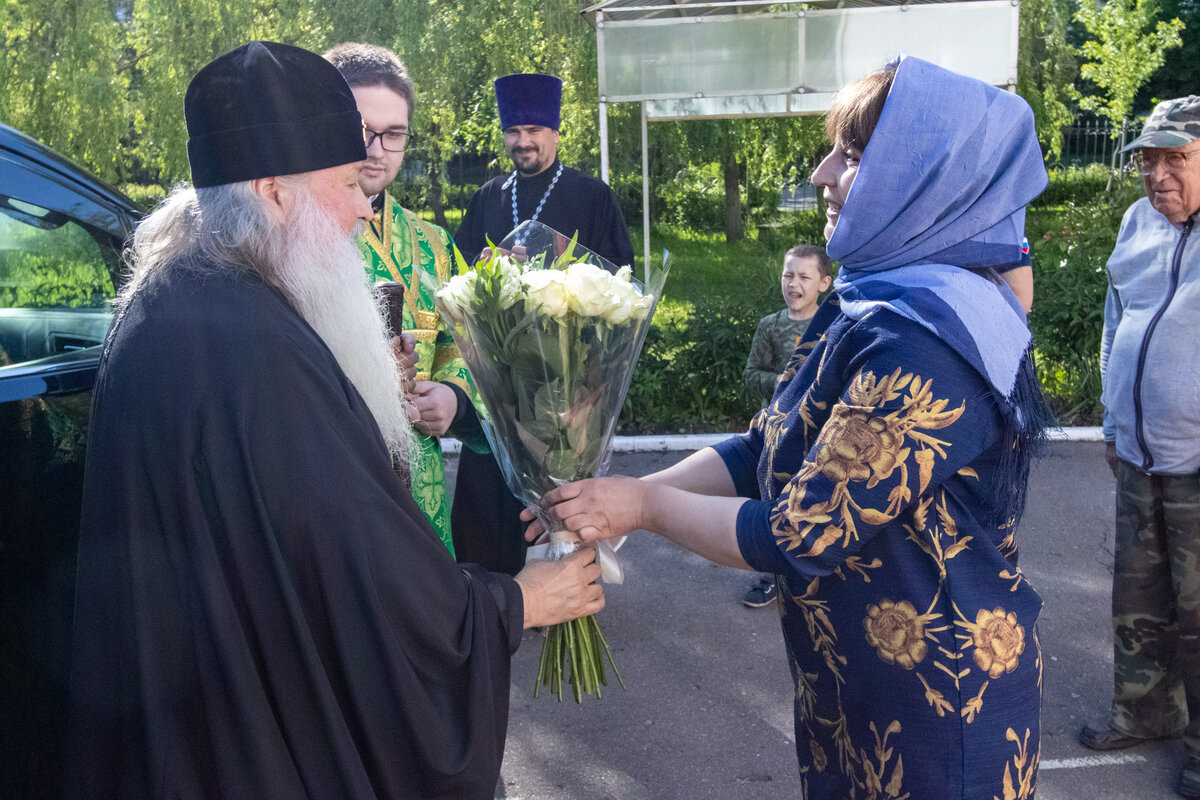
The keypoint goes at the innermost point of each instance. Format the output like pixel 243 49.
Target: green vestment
pixel 395 242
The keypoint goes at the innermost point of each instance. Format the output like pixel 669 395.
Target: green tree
pixel 762 151
pixel 454 50
pixel 1180 72
pixel 64 79
pixel 173 39
pixel 1047 69
pixel 1126 48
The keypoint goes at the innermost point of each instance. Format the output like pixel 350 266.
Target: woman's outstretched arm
pixel 605 508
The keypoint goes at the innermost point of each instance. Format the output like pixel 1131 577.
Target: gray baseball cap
pixel 1174 123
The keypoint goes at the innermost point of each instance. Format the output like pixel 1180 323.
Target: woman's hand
pixel 596 508
pixel 558 591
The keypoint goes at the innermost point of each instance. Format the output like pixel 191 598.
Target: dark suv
pixel 61 236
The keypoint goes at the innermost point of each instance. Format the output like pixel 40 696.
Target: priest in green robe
pixel 401 247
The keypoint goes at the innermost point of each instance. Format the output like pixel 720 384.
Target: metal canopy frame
pixel 723 59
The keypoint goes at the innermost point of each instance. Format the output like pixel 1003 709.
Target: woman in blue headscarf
pixel 887 475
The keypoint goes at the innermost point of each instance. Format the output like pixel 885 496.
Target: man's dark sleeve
pixel 470 237
pixel 466 426
pixel 612 231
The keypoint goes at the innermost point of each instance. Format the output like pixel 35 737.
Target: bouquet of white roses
pixel 551 343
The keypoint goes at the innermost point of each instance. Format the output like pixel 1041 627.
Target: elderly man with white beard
pixel 262 609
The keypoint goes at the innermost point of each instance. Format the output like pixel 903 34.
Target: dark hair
pixel 824 264
pixel 372 65
pixel 856 109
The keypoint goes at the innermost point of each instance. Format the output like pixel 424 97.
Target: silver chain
pixel 512 181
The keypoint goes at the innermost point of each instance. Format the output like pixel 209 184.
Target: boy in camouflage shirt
pixel 807 273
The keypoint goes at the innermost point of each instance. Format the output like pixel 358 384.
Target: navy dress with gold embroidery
pixel 909 628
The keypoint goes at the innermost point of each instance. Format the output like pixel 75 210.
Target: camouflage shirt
pixel 774 340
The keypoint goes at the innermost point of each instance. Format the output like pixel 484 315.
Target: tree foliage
pixel 172 39
pixel 1047 69
pixel 1127 47
pixel 64 78
pixel 1180 72
pixel 103 80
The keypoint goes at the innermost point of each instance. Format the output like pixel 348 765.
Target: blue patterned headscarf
pixel 942 185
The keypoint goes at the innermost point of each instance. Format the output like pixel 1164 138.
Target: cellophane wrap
pixel 551 340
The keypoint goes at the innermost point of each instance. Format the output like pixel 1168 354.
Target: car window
pixel 55 287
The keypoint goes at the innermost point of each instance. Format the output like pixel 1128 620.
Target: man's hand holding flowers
pixel 552 591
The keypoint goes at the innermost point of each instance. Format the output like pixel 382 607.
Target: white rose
pixel 546 290
pixel 625 274
pixel 643 305
pixel 458 293
pixel 621 308
pixel 590 289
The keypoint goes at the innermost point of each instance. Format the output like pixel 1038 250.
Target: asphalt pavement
pixel 707 708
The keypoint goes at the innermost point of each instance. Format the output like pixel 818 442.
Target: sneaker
pixel 761 594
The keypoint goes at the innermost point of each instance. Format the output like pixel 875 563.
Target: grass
pixel 705 266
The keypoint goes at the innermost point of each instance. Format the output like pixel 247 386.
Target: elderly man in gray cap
pixel 1151 367
pixel 263 610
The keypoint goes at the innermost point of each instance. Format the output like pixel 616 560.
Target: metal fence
pixel 1097 141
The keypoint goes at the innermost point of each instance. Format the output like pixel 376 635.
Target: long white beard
pixel 323 270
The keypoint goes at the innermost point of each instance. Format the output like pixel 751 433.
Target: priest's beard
pixel 323 272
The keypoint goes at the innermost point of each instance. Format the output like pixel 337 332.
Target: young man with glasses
pixel 1151 369
pixel 399 246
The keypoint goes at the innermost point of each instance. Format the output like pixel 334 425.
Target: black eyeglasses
pixel 1174 160
pixel 392 141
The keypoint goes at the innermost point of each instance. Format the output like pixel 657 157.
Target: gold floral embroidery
pixel 939 540
pixel 805 695
pixel 1037 662
pixel 1025 765
pixel 974 705
pixel 999 641
pixel 858 444
pixel 860 447
pixel 856 564
pixel 896 632
pixel 820 760
pixel 882 433
pixel 805 411
pixel 873 771
pixel 936 699
pixel 820 627
pixel 797 359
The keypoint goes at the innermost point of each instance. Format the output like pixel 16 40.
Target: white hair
pixel 315 264
pixel 224 226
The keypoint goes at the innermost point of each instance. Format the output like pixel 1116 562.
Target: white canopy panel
pixel 791 62
pixel 756 105
pixel 695 59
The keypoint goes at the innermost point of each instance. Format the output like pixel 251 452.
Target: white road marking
pixel 1091 761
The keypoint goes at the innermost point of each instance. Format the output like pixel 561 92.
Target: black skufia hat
pixel 269 109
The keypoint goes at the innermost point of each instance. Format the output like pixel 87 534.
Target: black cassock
pixel 485 517
pixel 262 610
pixel 578 204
